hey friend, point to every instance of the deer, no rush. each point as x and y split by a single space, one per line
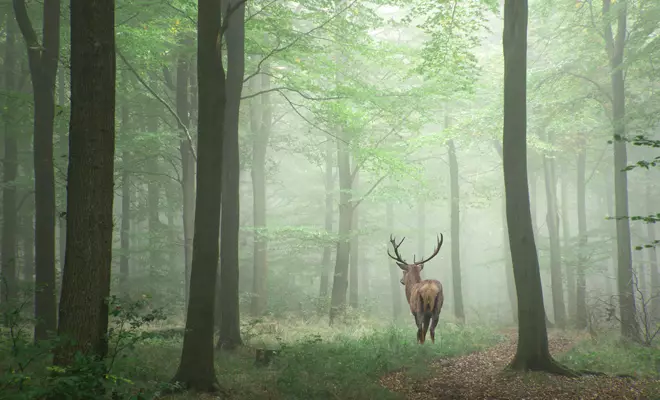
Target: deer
425 297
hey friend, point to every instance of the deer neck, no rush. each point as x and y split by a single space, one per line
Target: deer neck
411 280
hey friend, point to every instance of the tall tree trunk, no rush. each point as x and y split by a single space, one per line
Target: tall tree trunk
555 249
581 295
354 265
340 280
329 217
261 113
63 151
230 332
42 59
8 272
612 271
27 224
566 234
395 284
459 311
187 164
196 369
508 264
154 226
124 234
533 199
90 191
532 352
615 47
653 258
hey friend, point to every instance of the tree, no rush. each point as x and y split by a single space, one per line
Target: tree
43 58
8 275
196 370
532 352
455 231
90 191
615 47
230 334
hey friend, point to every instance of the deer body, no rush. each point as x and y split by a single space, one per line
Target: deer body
425 297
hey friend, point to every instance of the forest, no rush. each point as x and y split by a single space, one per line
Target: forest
329 199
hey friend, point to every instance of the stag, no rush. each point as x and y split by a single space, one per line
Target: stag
424 296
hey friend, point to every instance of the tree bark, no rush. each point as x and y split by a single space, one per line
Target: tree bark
63 150
124 234
566 234
555 249
354 265
329 180
8 270
459 311
187 164
653 258
261 127
340 280
532 352
581 295
615 47
230 332
395 284
196 369
90 192
43 58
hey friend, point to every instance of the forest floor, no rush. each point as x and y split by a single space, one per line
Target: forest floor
482 375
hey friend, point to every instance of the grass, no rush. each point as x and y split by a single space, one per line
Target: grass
315 361
614 357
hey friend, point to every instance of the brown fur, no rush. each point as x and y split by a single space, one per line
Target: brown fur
425 298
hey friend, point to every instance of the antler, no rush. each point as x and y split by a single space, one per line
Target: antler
398 257
435 252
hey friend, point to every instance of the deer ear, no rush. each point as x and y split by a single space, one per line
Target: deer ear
421 267
402 266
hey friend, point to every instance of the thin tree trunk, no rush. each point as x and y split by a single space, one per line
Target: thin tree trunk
187 164
43 60
395 284
459 311
612 271
340 281
8 271
154 226
555 249
124 234
615 47
354 265
653 258
329 217
261 111
230 332
581 295
88 260
566 233
63 151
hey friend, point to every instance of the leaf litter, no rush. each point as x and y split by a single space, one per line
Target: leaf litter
482 375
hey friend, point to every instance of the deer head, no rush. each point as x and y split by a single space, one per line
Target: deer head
417 266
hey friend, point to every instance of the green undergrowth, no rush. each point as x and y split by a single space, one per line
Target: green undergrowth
315 362
614 357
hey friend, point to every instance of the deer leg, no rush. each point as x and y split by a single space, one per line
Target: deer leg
419 323
425 327
434 323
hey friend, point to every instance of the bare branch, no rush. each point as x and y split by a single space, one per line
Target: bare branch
182 126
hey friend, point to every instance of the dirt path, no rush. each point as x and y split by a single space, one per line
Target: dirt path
480 376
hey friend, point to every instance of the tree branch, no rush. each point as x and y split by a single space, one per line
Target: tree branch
357 203
182 126
296 40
